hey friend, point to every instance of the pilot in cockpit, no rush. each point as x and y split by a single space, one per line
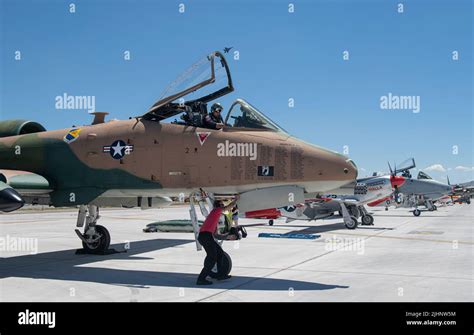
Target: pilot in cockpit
406 174
214 120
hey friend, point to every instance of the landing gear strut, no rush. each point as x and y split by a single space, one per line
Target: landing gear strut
96 238
429 204
350 221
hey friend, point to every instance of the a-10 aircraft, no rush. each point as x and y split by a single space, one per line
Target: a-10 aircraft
411 193
142 161
350 206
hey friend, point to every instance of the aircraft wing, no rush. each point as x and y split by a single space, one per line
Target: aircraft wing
350 201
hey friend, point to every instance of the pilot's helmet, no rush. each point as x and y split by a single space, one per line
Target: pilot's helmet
216 107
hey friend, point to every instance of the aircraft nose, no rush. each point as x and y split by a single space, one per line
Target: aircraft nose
397 181
327 170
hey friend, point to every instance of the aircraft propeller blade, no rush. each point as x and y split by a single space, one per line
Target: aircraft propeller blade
390 168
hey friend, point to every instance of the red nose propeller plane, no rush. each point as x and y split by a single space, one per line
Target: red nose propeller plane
366 191
411 192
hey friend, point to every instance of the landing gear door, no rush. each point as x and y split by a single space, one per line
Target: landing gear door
270 197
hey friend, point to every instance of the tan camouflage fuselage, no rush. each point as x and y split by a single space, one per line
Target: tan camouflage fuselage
169 159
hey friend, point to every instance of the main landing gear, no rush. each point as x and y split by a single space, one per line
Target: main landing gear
367 219
96 238
350 221
352 213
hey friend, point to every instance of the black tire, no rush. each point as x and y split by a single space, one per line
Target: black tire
435 208
227 266
416 212
386 208
367 220
353 224
102 244
270 222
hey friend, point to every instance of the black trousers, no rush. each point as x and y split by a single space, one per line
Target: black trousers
214 252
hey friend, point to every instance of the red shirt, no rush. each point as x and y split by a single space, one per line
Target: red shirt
212 220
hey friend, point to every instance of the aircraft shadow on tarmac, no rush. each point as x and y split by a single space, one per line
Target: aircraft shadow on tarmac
410 215
322 228
65 265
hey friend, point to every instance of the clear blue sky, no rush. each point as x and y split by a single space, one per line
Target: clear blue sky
282 56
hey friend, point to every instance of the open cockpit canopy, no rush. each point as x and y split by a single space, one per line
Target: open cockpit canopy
189 95
206 80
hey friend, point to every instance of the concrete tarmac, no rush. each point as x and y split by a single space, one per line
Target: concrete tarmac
400 258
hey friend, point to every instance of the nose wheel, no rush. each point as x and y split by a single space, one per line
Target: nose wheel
96 238
416 212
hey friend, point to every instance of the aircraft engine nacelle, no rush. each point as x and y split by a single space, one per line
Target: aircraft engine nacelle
270 197
10 200
19 127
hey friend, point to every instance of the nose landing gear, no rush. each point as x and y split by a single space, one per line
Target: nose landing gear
96 238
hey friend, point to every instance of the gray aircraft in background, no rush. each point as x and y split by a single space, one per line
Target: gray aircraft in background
422 191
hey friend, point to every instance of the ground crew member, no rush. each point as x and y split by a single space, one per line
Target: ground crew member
214 252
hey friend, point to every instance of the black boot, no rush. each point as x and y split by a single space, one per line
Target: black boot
203 282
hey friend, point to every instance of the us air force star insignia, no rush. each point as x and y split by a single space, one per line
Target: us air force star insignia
118 149
202 136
